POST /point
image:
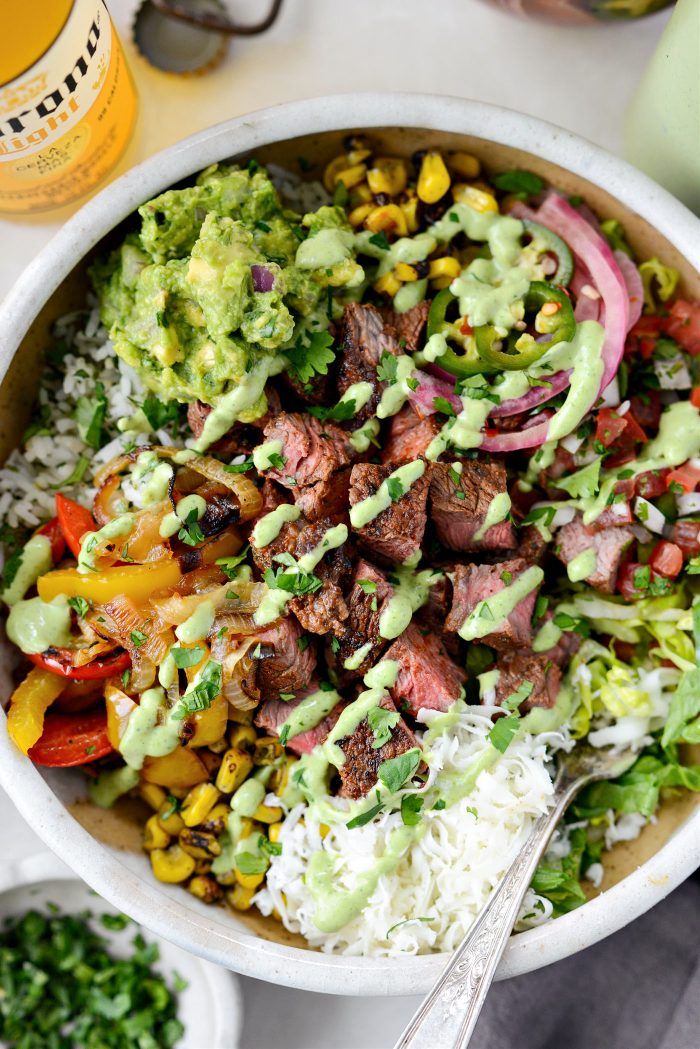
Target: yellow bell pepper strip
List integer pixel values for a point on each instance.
(30, 701)
(181, 769)
(209, 724)
(136, 582)
(119, 708)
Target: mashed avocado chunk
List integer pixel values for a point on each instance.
(210, 285)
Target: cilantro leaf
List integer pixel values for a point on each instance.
(395, 489)
(411, 805)
(522, 692)
(201, 694)
(187, 657)
(296, 583)
(380, 240)
(503, 731)
(249, 863)
(90, 416)
(387, 367)
(311, 355)
(365, 817)
(160, 413)
(381, 722)
(394, 772)
(138, 638)
(229, 565)
(340, 412)
(240, 468)
(441, 404)
(368, 585)
(525, 182)
(79, 605)
(191, 533)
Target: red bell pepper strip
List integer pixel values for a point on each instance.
(54, 533)
(75, 521)
(59, 661)
(72, 739)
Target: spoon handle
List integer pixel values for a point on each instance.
(447, 1017)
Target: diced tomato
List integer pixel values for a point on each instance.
(686, 535)
(649, 324)
(52, 531)
(683, 325)
(666, 559)
(687, 476)
(652, 484)
(72, 739)
(75, 521)
(646, 348)
(624, 650)
(609, 426)
(626, 581)
(695, 397)
(626, 442)
(646, 409)
(59, 661)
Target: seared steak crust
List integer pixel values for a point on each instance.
(459, 503)
(475, 583)
(365, 337)
(358, 773)
(397, 533)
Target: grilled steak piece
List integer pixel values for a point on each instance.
(408, 436)
(274, 712)
(432, 615)
(459, 504)
(365, 604)
(358, 774)
(536, 669)
(316, 391)
(364, 338)
(532, 546)
(686, 534)
(313, 451)
(325, 610)
(474, 583)
(273, 496)
(396, 533)
(239, 434)
(409, 326)
(609, 545)
(566, 647)
(282, 666)
(326, 498)
(427, 676)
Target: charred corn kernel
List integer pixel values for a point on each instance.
(178, 792)
(153, 795)
(170, 819)
(389, 218)
(228, 878)
(202, 867)
(388, 175)
(332, 170)
(357, 156)
(172, 865)
(405, 272)
(361, 194)
(268, 750)
(217, 819)
(447, 266)
(409, 206)
(154, 837)
(211, 761)
(350, 176)
(324, 830)
(240, 898)
(387, 285)
(242, 736)
(235, 766)
(476, 198)
(441, 282)
(280, 780)
(220, 746)
(358, 215)
(199, 803)
(464, 165)
(205, 888)
(249, 881)
(241, 717)
(268, 813)
(434, 178)
(274, 832)
(199, 843)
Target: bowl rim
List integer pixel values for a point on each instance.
(142, 900)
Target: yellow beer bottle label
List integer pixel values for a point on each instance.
(67, 101)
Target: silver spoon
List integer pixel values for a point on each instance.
(447, 1017)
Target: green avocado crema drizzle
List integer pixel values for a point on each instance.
(114, 529)
(309, 713)
(490, 613)
(411, 591)
(393, 487)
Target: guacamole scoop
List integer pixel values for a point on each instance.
(208, 287)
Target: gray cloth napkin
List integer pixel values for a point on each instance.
(639, 989)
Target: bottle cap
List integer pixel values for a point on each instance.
(176, 46)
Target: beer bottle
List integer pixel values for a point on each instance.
(67, 101)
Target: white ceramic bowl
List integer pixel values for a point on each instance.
(209, 1007)
(655, 222)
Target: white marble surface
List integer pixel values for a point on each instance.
(579, 78)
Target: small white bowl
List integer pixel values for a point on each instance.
(647, 870)
(209, 1007)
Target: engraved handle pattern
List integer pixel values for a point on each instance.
(447, 1017)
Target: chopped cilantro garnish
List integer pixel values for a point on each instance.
(79, 605)
(160, 413)
(187, 657)
(138, 638)
(366, 816)
(524, 183)
(311, 355)
(503, 731)
(201, 695)
(380, 240)
(381, 722)
(395, 489)
(522, 692)
(296, 583)
(240, 468)
(441, 404)
(229, 565)
(191, 533)
(394, 772)
(411, 804)
(368, 585)
(340, 412)
(387, 367)
(90, 416)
